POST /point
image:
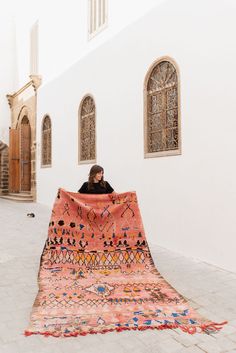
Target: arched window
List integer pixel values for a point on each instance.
(25, 154)
(162, 115)
(87, 149)
(46, 141)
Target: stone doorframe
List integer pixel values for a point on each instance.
(24, 103)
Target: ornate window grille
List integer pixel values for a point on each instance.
(87, 130)
(162, 130)
(46, 141)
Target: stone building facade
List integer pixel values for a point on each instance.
(22, 139)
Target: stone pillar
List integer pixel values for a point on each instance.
(4, 169)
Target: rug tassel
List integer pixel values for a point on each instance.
(212, 326)
(28, 333)
(207, 328)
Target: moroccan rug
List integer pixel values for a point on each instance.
(97, 274)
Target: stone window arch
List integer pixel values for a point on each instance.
(87, 130)
(46, 158)
(162, 109)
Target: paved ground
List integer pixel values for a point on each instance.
(211, 290)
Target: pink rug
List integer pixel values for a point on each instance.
(97, 274)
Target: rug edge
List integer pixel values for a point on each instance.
(210, 327)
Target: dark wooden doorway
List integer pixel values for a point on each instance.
(25, 155)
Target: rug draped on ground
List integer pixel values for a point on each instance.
(97, 274)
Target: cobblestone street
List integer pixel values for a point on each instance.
(210, 290)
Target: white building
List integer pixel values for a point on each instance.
(187, 194)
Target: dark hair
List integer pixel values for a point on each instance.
(93, 171)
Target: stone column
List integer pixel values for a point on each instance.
(4, 169)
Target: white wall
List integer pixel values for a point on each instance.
(65, 35)
(26, 13)
(63, 39)
(187, 201)
(63, 31)
(7, 71)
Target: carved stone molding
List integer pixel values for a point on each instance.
(23, 105)
(10, 99)
(2, 146)
(36, 81)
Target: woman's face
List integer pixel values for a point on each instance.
(98, 176)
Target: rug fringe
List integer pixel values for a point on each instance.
(208, 328)
(212, 326)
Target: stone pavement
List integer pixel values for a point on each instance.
(211, 290)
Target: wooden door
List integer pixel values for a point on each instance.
(14, 161)
(25, 155)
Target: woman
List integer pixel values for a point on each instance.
(95, 183)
